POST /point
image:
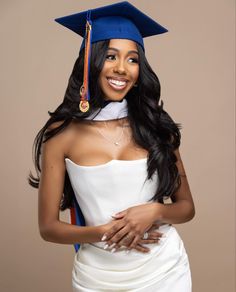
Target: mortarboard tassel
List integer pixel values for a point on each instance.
(84, 89)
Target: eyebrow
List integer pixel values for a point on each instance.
(129, 52)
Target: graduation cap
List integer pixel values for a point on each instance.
(116, 21)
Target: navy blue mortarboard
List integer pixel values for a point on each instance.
(116, 21)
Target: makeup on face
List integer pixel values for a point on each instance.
(121, 69)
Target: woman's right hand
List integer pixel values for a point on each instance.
(154, 236)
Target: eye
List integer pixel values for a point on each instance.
(133, 60)
(110, 57)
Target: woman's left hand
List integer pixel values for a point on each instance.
(132, 223)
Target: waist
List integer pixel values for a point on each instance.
(95, 252)
(95, 256)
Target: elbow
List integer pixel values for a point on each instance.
(46, 232)
(188, 212)
(191, 213)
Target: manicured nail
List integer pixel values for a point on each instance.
(104, 238)
(113, 244)
(105, 246)
(127, 251)
(113, 250)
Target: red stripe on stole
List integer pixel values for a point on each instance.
(72, 215)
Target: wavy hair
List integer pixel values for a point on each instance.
(152, 127)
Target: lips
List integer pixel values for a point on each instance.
(117, 83)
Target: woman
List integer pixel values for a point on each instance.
(111, 149)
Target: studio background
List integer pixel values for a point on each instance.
(195, 63)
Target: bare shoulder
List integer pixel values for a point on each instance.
(60, 143)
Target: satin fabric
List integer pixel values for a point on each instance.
(164, 269)
(104, 190)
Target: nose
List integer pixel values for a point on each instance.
(119, 67)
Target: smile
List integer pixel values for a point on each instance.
(117, 84)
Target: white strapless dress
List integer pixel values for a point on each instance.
(102, 191)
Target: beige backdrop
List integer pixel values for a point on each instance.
(195, 64)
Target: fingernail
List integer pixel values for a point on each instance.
(127, 251)
(113, 244)
(104, 237)
(105, 246)
(113, 250)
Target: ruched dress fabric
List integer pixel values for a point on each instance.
(102, 191)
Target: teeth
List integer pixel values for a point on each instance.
(116, 82)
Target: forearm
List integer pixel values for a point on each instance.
(174, 213)
(65, 233)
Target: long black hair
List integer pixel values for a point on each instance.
(152, 128)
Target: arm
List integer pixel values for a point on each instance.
(50, 193)
(182, 207)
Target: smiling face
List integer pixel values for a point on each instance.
(120, 70)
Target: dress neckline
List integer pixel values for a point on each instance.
(110, 162)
